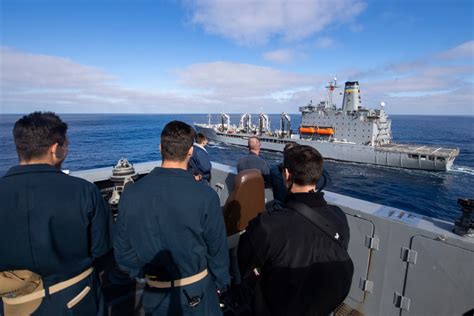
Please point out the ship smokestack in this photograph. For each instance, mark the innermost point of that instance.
(351, 101)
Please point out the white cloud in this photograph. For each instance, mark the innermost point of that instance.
(31, 82)
(280, 55)
(465, 50)
(36, 82)
(30, 71)
(240, 79)
(427, 86)
(250, 22)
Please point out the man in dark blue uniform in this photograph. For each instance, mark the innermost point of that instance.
(278, 184)
(253, 161)
(305, 268)
(199, 164)
(52, 224)
(170, 229)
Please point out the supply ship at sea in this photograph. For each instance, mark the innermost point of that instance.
(351, 133)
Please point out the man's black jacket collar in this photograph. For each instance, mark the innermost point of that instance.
(312, 199)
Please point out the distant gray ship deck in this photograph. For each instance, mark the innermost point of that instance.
(350, 133)
(422, 150)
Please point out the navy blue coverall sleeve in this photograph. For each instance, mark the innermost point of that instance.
(125, 255)
(206, 166)
(216, 240)
(99, 218)
(200, 163)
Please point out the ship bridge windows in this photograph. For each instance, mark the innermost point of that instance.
(412, 156)
(440, 158)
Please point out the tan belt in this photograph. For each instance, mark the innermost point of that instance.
(181, 282)
(52, 289)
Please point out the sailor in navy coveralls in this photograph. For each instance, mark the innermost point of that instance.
(170, 229)
(52, 224)
(199, 164)
(253, 160)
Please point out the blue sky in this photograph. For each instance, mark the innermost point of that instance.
(143, 56)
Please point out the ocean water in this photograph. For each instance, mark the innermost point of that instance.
(100, 140)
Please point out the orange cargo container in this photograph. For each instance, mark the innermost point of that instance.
(315, 130)
(308, 130)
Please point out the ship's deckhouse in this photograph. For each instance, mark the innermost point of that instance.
(352, 123)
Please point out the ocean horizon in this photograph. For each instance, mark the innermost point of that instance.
(99, 140)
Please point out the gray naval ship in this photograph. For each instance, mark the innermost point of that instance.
(351, 133)
(404, 263)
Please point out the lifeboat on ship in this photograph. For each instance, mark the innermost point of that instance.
(317, 130)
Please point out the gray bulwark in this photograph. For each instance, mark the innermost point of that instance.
(442, 270)
(404, 263)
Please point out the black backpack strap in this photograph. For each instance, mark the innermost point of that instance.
(329, 228)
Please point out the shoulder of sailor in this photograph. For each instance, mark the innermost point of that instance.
(273, 218)
(77, 184)
(338, 212)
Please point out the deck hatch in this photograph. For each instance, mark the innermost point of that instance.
(362, 233)
(444, 271)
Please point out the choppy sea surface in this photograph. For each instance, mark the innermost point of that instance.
(99, 140)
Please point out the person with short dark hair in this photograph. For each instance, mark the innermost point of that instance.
(54, 225)
(253, 161)
(304, 269)
(199, 164)
(170, 229)
(276, 176)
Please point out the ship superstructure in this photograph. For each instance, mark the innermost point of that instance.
(351, 133)
(351, 123)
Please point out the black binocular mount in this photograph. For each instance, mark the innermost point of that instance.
(464, 226)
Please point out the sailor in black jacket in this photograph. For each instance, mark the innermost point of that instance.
(52, 224)
(170, 229)
(303, 270)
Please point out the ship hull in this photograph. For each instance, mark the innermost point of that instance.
(399, 156)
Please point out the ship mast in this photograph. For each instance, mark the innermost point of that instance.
(332, 85)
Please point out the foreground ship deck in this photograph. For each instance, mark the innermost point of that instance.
(405, 263)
